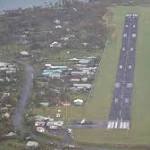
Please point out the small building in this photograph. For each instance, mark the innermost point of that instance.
(45, 104)
(48, 65)
(74, 59)
(52, 73)
(11, 134)
(24, 53)
(78, 102)
(40, 129)
(84, 61)
(75, 79)
(6, 115)
(86, 86)
(52, 127)
(55, 44)
(65, 103)
(84, 79)
(81, 73)
(57, 21)
(40, 123)
(58, 27)
(32, 144)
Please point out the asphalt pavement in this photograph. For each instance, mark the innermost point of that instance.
(120, 113)
(18, 116)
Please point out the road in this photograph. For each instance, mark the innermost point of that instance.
(120, 113)
(18, 116)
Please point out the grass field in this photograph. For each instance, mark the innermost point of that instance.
(99, 105)
(11, 145)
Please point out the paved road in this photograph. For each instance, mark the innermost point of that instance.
(120, 113)
(18, 116)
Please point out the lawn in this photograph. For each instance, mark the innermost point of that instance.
(11, 145)
(99, 105)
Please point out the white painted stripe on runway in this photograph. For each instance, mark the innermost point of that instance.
(116, 125)
(121, 125)
(125, 125)
(112, 125)
(109, 125)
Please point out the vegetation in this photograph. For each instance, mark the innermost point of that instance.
(11, 145)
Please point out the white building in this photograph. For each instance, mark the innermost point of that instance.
(78, 102)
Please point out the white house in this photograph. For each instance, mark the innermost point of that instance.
(78, 102)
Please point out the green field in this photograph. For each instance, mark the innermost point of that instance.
(99, 105)
(11, 144)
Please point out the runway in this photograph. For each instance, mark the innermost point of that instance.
(120, 113)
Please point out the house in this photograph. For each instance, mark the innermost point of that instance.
(84, 61)
(81, 73)
(58, 27)
(64, 38)
(53, 127)
(55, 123)
(32, 144)
(45, 104)
(85, 44)
(56, 73)
(80, 65)
(74, 89)
(39, 124)
(84, 79)
(75, 79)
(57, 21)
(74, 59)
(65, 103)
(3, 64)
(11, 134)
(40, 129)
(40, 118)
(58, 123)
(24, 53)
(84, 86)
(6, 115)
(59, 67)
(78, 102)
(48, 65)
(55, 44)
